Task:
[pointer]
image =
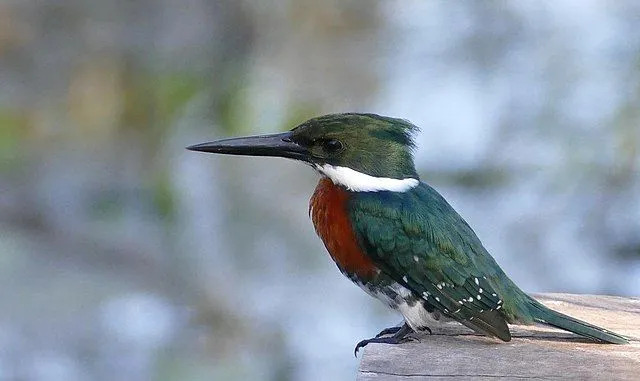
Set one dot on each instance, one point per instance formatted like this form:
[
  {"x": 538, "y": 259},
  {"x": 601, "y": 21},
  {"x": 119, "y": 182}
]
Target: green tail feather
[{"x": 542, "y": 314}]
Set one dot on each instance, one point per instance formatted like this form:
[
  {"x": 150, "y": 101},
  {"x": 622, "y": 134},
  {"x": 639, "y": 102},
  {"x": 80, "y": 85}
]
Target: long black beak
[{"x": 279, "y": 145}]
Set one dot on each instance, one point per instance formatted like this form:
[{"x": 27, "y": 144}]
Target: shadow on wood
[{"x": 535, "y": 352}]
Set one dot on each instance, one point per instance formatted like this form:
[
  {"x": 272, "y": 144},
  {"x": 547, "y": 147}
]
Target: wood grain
[{"x": 535, "y": 352}]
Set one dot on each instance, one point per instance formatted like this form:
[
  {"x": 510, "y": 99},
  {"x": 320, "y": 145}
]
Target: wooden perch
[{"x": 535, "y": 352}]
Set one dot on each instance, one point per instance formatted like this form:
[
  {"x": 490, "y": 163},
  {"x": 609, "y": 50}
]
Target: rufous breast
[{"x": 328, "y": 211}]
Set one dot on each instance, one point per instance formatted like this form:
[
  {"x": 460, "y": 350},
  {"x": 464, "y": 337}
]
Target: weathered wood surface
[{"x": 535, "y": 352}]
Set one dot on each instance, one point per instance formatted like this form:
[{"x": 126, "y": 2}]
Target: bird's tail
[{"x": 542, "y": 314}]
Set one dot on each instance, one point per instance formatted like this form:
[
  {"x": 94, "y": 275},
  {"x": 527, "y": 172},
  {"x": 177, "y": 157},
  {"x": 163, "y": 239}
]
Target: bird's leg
[
  {"x": 399, "y": 336},
  {"x": 389, "y": 331},
  {"x": 425, "y": 328},
  {"x": 393, "y": 330}
]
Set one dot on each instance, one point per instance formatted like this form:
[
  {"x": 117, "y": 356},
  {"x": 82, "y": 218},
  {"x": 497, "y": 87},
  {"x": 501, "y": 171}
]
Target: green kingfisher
[{"x": 395, "y": 236}]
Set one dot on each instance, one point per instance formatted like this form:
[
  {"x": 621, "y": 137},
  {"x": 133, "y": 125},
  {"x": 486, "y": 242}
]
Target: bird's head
[{"x": 363, "y": 152}]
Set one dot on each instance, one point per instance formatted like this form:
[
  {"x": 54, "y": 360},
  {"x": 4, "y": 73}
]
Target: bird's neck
[{"x": 356, "y": 181}]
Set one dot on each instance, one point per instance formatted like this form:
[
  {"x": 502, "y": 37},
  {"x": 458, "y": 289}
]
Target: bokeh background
[{"x": 124, "y": 256}]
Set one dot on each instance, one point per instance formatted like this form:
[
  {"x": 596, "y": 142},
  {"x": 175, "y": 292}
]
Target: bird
[{"x": 395, "y": 236}]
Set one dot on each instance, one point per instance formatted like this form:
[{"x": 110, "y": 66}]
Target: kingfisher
[{"x": 395, "y": 236}]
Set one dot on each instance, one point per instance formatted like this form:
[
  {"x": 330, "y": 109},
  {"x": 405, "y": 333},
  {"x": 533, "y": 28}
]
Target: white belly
[{"x": 404, "y": 301}]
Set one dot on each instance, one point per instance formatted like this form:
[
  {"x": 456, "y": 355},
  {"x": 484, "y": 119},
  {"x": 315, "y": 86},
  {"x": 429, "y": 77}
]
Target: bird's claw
[
  {"x": 400, "y": 335},
  {"x": 389, "y": 331},
  {"x": 382, "y": 340}
]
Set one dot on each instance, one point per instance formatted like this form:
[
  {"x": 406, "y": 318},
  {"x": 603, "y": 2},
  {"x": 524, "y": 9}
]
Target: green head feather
[{"x": 372, "y": 144}]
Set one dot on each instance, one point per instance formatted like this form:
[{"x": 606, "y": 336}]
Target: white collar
[{"x": 360, "y": 182}]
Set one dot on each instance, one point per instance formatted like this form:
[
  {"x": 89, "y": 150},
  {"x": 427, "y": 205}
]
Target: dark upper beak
[{"x": 279, "y": 145}]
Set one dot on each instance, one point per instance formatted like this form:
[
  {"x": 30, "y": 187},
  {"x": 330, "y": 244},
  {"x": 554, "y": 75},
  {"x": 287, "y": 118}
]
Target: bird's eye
[{"x": 332, "y": 145}]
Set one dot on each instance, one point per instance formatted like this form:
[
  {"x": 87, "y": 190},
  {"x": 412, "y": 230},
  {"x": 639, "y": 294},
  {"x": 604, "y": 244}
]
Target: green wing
[{"x": 420, "y": 241}]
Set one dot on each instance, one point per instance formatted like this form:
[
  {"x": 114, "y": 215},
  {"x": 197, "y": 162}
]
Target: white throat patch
[{"x": 359, "y": 182}]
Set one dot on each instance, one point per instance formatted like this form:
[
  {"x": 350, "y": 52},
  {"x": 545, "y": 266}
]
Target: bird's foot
[
  {"x": 389, "y": 331},
  {"x": 399, "y": 336},
  {"x": 393, "y": 330},
  {"x": 424, "y": 328}
]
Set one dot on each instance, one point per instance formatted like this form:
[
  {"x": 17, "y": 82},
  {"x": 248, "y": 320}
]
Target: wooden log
[{"x": 535, "y": 352}]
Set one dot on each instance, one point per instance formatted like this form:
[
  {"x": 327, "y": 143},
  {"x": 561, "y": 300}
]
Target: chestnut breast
[{"x": 328, "y": 210}]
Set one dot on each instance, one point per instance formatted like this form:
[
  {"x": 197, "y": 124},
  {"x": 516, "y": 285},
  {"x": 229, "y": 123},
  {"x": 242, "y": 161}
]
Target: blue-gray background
[{"x": 124, "y": 256}]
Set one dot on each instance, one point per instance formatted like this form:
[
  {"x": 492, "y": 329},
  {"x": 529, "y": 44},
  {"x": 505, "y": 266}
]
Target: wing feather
[{"x": 422, "y": 243}]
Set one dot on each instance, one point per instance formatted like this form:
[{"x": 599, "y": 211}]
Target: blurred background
[{"x": 124, "y": 256}]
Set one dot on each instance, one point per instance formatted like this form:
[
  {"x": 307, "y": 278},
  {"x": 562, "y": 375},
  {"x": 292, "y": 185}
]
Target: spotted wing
[{"x": 419, "y": 240}]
